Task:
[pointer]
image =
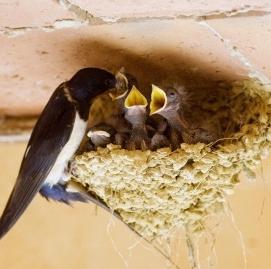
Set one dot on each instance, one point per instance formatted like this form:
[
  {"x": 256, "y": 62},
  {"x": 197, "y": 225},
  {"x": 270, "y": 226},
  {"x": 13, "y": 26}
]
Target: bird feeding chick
[
  {"x": 161, "y": 124},
  {"x": 112, "y": 127}
]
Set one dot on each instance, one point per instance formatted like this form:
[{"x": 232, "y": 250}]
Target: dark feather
[
  {"x": 59, "y": 193},
  {"x": 49, "y": 136}
]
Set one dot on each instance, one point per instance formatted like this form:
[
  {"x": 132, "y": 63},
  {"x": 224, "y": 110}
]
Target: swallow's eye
[{"x": 109, "y": 82}]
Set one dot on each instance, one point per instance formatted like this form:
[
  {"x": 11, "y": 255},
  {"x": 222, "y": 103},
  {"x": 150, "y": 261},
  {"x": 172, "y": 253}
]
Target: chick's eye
[{"x": 172, "y": 94}]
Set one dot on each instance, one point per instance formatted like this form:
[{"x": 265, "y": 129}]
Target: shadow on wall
[
  {"x": 207, "y": 81},
  {"x": 157, "y": 65}
]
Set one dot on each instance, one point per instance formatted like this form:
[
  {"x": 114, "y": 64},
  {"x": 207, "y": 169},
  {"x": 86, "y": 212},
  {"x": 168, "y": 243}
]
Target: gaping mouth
[
  {"x": 135, "y": 98},
  {"x": 158, "y": 100}
]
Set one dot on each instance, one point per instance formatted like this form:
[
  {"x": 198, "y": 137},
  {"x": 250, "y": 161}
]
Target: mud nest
[{"x": 155, "y": 192}]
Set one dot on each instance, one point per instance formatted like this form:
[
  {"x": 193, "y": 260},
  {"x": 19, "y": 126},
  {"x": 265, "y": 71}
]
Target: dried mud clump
[{"x": 157, "y": 191}]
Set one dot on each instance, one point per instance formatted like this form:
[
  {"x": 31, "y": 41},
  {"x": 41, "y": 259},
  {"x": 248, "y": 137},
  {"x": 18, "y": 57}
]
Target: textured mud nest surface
[{"x": 155, "y": 192}]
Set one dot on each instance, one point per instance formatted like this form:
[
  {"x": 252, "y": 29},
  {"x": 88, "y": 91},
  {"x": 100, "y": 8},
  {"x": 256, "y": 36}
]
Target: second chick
[{"x": 135, "y": 112}]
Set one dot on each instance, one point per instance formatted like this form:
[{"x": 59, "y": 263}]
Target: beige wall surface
[{"x": 51, "y": 236}]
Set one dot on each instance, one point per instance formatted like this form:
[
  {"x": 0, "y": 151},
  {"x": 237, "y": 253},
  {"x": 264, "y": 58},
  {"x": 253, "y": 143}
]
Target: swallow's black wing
[{"x": 49, "y": 136}]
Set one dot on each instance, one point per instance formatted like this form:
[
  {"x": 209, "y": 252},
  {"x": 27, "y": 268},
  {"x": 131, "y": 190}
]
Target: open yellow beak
[
  {"x": 158, "y": 100},
  {"x": 135, "y": 98}
]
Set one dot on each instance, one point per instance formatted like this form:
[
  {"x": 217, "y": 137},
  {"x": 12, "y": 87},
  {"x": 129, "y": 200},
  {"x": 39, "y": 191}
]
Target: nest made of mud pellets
[{"x": 157, "y": 191}]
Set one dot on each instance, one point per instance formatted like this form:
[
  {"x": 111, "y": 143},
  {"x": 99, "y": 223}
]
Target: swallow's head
[
  {"x": 164, "y": 101},
  {"x": 88, "y": 83}
]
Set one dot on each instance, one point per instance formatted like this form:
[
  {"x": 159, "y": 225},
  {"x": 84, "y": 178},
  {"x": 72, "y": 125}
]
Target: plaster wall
[{"x": 198, "y": 43}]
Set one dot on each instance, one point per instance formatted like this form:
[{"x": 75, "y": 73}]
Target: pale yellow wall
[{"x": 51, "y": 236}]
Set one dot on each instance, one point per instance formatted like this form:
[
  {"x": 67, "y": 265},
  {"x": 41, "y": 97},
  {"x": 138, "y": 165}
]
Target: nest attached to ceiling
[{"x": 155, "y": 192}]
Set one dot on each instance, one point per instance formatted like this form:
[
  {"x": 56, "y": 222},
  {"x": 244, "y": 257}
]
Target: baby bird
[
  {"x": 125, "y": 81},
  {"x": 121, "y": 139},
  {"x": 205, "y": 132},
  {"x": 135, "y": 112},
  {"x": 159, "y": 140},
  {"x": 167, "y": 103},
  {"x": 117, "y": 120},
  {"x": 101, "y": 135}
]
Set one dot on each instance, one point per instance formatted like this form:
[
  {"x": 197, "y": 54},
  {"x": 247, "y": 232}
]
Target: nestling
[
  {"x": 159, "y": 139},
  {"x": 168, "y": 104},
  {"x": 101, "y": 135},
  {"x": 135, "y": 112}
]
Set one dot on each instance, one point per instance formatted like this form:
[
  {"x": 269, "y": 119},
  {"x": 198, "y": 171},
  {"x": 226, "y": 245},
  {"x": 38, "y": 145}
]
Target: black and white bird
[
  {"x": 54, "y": 140},
  {"x": 168, "y": 104}
]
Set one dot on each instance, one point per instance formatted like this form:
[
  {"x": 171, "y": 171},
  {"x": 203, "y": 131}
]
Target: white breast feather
[{"x": 57, "y": 172}]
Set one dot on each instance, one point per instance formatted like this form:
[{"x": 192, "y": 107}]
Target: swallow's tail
[{"x": 15, "y": 207}]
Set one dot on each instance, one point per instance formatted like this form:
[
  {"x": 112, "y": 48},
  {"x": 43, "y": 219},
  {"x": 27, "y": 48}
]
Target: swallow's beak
[
  {"x": 135, "y": 98},
  {"x": 158, "y": 100}
]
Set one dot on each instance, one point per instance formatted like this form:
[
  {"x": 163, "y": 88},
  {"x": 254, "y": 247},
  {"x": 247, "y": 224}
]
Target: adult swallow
[
  {"x": 135, "y": 112},
  {"x": 167, "y": 103},
  {"x": 54, "y": 140}
]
